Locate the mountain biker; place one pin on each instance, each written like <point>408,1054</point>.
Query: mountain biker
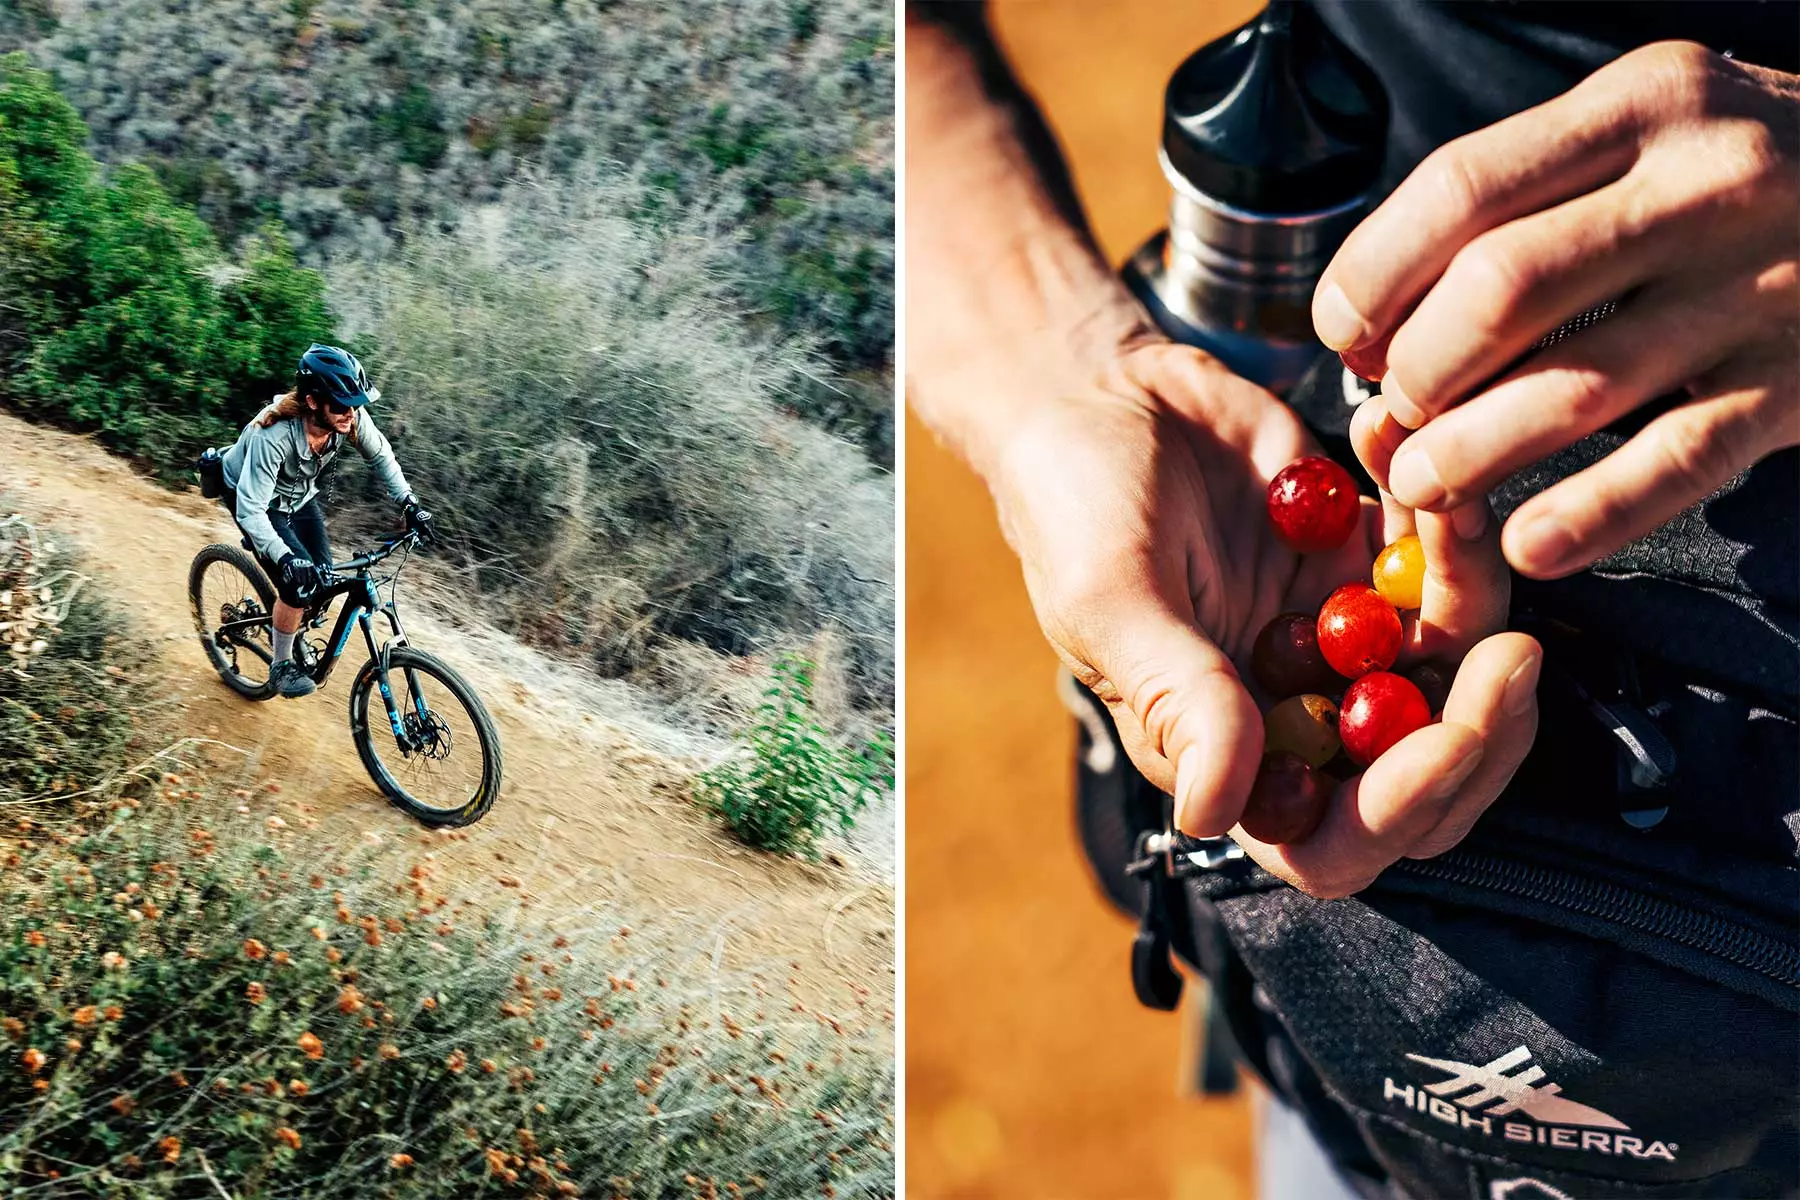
<point>271,486</point>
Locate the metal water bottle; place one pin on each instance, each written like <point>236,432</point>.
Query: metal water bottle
<point>1272,139</point>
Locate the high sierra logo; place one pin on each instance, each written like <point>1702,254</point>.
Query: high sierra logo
<point>1508,1085</point>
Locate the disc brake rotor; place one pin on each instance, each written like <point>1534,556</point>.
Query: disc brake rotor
<point>431,737</point>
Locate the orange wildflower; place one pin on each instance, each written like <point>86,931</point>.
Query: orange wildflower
<point>349,999</point>
<point>311,1046</point>
<point>298,1087</point>
<point>35,938</point>
<point>254,950</point>
<point>288,1138</point>
<point>114,1013</point>
<point>255,993</point>
<point>389,1051</point>
<point>86,1016</point>
<point>170,1149</point>
<point>400,1161</point>
<point>33,1060</point>
<point>123,1104</point>
<point>13,1028</point>
<point>456,1062</point>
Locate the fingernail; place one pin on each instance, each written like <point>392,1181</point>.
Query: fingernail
<point>1400,405</point>
<point>1470,520</point>
<point>1338,324</point>
<point>1413,478</point>
<point>1186,768</point>
<point>1549,545</point>
<point>1521,686</point>
<point>1457,775</point>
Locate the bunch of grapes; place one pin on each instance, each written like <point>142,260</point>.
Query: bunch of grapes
<point>1339,705</point>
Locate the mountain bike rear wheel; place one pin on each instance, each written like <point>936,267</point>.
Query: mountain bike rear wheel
<point>449,772</point>
<point>232,601</point>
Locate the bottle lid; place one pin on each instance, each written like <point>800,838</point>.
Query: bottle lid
<point>1277,117</point>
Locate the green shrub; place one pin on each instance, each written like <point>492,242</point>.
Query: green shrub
<point>66,705</point>
<point>138,329</point>
<point>177,1002</point>
<point>794,783</point>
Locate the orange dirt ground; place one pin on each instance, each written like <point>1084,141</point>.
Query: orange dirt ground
<point>1031,1070</point>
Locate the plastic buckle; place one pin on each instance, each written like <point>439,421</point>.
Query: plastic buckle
<point>1153,975</point>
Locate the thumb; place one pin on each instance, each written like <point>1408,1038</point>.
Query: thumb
<point>1183,715</point>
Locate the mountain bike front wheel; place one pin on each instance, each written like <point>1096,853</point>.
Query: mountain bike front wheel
<point>443,768</point>
<point>233,602</point>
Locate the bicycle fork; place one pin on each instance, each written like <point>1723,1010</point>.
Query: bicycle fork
<point>379,656</point>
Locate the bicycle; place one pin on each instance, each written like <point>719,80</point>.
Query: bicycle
<point>233,603</point>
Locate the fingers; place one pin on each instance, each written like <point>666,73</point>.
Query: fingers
<point>1495,694</point>
<point>1678,459</point>
<point>1422,796</point>
<point>1662,338</point>
<point>1183,714</point>
<point>1572,145</point>
<point>1510,286</point>
<point>1375,436</point>
<point>1468,587</point>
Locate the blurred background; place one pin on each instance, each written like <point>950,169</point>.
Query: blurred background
<point>1031,1069</point>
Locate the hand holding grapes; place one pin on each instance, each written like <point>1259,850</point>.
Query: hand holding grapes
<point>1138,505</point>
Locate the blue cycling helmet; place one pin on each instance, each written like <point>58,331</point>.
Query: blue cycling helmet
<point>334,374</point>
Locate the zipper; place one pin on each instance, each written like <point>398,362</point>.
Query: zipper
<point>1709,934</point>
<point>1623,906</point>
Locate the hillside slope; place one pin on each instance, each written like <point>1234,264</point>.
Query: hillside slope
<point>593,806</point>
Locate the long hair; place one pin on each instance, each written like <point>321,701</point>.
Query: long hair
<point>290,406</point>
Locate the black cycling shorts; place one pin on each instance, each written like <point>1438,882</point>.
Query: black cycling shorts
<point>304,532</point>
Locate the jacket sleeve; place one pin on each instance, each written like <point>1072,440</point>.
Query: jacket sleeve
<point>256,491</point>
<point>378,453</point>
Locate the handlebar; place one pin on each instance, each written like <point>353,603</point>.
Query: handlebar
<point>333,573</point>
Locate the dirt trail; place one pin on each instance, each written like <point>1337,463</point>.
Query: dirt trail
<point>585,815</point>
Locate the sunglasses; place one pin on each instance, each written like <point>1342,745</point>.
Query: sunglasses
<point>336,408</point>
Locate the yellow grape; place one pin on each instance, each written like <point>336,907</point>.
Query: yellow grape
<point>1400,573</point>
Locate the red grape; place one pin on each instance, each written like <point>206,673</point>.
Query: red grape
<point>1380,709</point>
<point>1286,658</point>
<point>1313,504</point>
<point>1359,631</point>
<point>1288,800</point>
<point>1366,362</point>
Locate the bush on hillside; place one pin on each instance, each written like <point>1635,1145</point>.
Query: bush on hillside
<point>611,450</point>
<point>125,320</point>
<point>66,705</point>
<point>181,1005</point>
<point>793,783</point>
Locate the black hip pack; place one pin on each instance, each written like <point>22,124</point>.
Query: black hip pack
<point>1596,995</point>
<point>210,469</point>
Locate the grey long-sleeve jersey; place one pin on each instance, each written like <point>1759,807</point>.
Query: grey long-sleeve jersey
<point>275,468</point>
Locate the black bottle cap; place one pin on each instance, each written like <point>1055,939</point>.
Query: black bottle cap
<point>1277,117</point>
